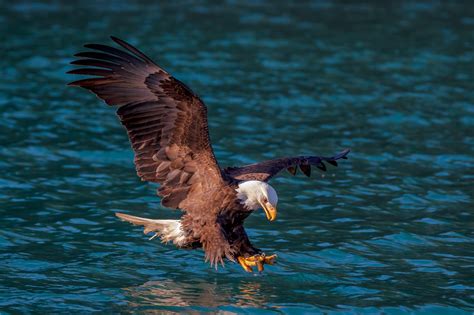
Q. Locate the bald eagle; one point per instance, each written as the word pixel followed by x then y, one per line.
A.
pixel 167 126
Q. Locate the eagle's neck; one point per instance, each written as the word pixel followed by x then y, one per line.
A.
pixel 247 203
pixel 248 194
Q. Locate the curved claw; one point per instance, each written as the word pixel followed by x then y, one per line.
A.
pixel 256 260
pixel 271 260
pixel 244 264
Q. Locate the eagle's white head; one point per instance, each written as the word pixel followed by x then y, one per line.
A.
pixel 254 194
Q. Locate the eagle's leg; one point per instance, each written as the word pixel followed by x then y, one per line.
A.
pixel 256 260
pixel 244 264
pixel 248 256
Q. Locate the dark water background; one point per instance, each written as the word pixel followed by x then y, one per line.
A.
pixel 390 230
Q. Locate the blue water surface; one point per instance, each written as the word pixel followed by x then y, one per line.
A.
pixel 389 231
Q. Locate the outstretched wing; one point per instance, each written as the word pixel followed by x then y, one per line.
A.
pixel 166 122
pixel 264 171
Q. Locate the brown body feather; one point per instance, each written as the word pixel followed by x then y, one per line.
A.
pixel 167 127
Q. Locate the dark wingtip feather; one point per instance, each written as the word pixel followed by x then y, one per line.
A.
pixel 74 83
pixel 306 169
pixel 332 162
pixel 90 71
pixel 101 56
pixel 84 82
pixel 341 155
pixel 94 63
pixel 344 153
pixel 292 170
pixel 322 166
pixel 132 49
pixel 86 54
pixel 125 55
pixel 119 41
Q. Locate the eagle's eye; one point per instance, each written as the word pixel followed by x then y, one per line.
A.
pixel 265 200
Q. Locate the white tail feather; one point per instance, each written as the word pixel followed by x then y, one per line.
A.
pixel 167 230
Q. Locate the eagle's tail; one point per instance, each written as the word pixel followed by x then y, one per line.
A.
pixel 167 230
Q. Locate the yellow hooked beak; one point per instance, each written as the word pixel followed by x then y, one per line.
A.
pixel 270 211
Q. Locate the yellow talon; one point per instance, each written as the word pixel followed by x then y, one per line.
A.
pixel 270 260
pixel 244 264
pixel 256 260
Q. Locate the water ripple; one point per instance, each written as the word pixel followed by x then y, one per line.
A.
pixel 389 231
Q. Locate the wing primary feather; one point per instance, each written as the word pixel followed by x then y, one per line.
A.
pixel 132 49
pixel 94 63
pixel 113 51
pixel 332 162
pixel 306 169
pixel 342 155
pixel 322 166
pixel 86 83
pixel 100 56
pixel 91 71
pixel 292 170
